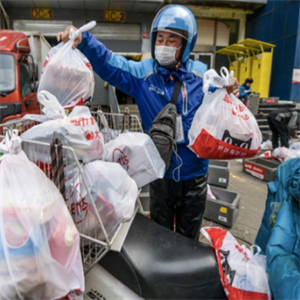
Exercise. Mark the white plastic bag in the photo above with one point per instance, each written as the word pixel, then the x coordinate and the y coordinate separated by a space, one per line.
pixel 210 195
pixel 223 127
pixel 113 191
pixel 79 130
pixel 39 243
pixel 284 154
pixel 67 73
pixel 295 145
pixel 266 145
pixel 243 273
pixel 138 155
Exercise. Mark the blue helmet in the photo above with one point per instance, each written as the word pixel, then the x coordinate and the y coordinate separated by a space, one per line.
pixel 182 20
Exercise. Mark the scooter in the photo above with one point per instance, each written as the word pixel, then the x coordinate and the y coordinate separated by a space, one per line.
pixel 152 262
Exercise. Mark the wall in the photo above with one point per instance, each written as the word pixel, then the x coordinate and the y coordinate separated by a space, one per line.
pixel 80 17
pixel 278 23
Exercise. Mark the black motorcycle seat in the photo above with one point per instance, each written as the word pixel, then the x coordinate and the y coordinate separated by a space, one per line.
pixel 157 263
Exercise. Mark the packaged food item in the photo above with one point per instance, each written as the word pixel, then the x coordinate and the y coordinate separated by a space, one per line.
pixel 67 73
pixel 138 155
pixel 79 130
pixel 39 243
pixel 113 192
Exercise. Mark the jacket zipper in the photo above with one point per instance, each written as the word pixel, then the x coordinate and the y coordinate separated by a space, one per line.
pixel 184 99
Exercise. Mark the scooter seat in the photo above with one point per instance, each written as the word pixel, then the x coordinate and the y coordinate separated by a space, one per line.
pixel 157 263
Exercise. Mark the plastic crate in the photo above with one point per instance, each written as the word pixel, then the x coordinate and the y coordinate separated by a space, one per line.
pixel 218 173
pixel 223 210
pixel 261 168
pixel 253 105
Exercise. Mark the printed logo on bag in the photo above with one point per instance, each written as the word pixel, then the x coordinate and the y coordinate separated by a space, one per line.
pixel 235 110
pixel 241 250
pixel 226 267
pixel 229 139
pixel 83 121
pixel 227 99
pixel 45 62
pixel 232 151
pixel 89 135
pixel 78 205
pixel 89 66
pixel 118 156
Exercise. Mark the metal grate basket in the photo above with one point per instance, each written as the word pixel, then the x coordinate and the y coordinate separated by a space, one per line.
pixel 95 241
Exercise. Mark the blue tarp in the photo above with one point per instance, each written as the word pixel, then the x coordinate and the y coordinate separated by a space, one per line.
pixel 281 244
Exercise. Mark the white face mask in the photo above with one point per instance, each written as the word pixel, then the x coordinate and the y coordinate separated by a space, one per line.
pixel 165 55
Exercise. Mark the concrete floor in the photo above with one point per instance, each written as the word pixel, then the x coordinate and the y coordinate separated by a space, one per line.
pixel 253 193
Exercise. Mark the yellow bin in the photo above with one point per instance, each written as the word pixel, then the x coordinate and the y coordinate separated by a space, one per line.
pixel 253 59
pixel 234 58
pixel 261 65
pixel 245 69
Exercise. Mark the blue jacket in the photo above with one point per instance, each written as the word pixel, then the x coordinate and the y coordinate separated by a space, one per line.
pixel 244 91
pixel 281 244
pixel 152 86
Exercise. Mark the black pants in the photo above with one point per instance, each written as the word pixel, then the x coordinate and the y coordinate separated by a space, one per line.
pixel 279 129
pixel 183 200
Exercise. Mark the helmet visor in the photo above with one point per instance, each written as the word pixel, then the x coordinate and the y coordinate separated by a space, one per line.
pixel 175 19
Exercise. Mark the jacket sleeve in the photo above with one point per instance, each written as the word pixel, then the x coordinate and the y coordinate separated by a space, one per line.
pixel 243 91
pixel 116 70
pixel 283 255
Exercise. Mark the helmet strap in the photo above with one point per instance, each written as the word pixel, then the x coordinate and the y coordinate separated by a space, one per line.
pixel 184 42
pixel 154 35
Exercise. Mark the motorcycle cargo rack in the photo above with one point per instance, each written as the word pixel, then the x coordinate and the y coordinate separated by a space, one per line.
pixel 95 242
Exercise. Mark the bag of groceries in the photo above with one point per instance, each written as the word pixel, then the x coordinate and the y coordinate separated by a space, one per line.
pixel 138 155
pixel 243 273
pixel 223 127
pixel 283 154
pixel 112 190
pixel 67 73
pixel 39 243
pixel 79 130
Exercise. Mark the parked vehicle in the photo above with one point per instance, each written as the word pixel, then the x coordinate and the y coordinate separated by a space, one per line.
pixel 21 59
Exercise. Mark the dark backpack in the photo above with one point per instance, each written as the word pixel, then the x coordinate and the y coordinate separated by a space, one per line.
pixel 163 128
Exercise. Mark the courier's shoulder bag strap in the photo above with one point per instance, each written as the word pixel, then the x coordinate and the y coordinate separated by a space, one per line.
pixel 176 91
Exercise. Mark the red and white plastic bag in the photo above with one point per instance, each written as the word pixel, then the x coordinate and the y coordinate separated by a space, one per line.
pixel 138 155
pixel 68 74
pixel 39 243
pixel 79 130
pixel 223 127
pixel 113 192
pixel 243 273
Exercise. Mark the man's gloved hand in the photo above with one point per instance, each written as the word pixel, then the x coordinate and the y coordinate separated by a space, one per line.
pixel 64 36
pixel 233 87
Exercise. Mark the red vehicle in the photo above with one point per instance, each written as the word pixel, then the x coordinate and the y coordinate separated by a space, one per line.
pixel 18 77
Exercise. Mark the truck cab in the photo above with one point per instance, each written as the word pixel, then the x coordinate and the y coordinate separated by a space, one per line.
pixel 18 77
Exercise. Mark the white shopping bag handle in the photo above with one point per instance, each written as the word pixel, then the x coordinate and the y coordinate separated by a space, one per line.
pixel 74 34
pixel 211 77
pixel 103 120
pixel 11 144
pixel 50 101
pixel 252 248
pixel 225 74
